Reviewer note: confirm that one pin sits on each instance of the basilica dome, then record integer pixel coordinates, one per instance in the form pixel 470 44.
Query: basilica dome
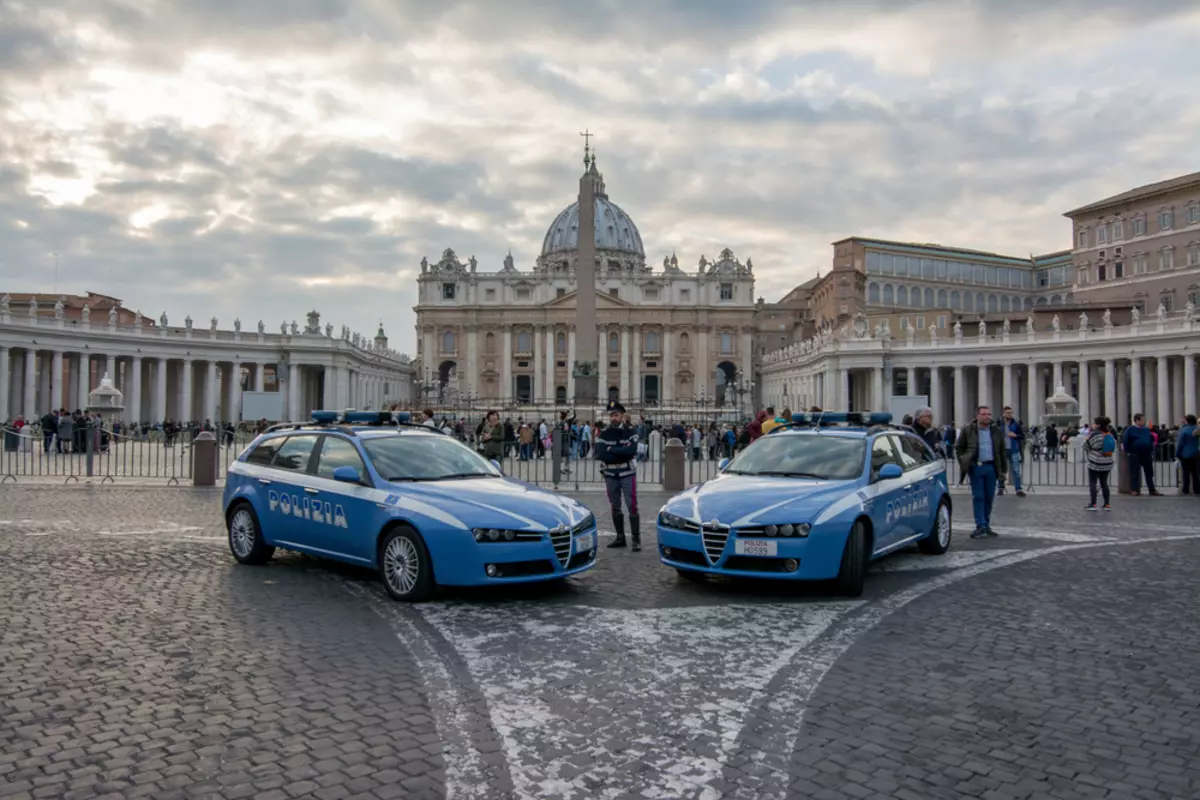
pixel 614 230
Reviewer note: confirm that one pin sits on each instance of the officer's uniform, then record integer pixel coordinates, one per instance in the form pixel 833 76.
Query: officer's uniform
pixel 616 447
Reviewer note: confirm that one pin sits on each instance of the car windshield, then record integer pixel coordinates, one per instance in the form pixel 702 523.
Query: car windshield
pixel 426 457
pixel 833 458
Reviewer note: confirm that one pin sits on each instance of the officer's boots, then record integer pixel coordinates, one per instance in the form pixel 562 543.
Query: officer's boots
pixel 619 526
pixel 634 533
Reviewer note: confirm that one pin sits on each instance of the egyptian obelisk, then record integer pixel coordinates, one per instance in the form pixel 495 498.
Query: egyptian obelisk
pixel 587 365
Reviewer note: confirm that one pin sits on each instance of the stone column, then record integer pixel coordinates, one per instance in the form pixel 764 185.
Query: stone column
pixel 626 346
pixel 1085 389
pixel 187 368
pixel 878 403
pixel 473 383
pixel 5 383
pixel 538 389
pixel 841 392
pixel 56 380
pixel 908 381
pixel 1008 399
pixel 747 352
pixel 1178 409
pixel 1058 376
pixel 704 374
pixel 506 360
pixel 293 387
pixel 260 378
pixel 1161 367
pixel 1124 395
pixel 233 412
pixel 983 389
pixel 85 380
pixel 159 413
pixel 72 386
pixel 133 403
pixel 935 395
pixel 1110 390
pixel 30 400
pixel 1136 396
pixel 1189 385
pixel 637 354
pixel 329 393
pixel 666 391
pixel 1034 398
pixel 1095 393
pixel 960 398
pixel 570 364
pixel 551 360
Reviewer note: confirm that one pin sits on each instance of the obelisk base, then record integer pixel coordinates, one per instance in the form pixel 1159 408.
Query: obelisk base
pixel 587 391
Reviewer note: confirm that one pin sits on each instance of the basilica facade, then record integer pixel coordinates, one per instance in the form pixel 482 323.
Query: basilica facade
pixel 669 337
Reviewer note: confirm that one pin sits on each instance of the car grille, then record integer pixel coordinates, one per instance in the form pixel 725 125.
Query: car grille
pixel 714 544
pixel 690 527
pixel 561 539
pixel 756 530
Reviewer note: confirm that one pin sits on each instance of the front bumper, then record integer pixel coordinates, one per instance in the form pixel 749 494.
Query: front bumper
pixel 458 560
pixel 816 557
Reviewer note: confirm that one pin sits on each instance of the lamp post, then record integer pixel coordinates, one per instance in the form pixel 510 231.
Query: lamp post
pixel 428 388
pixel 741 386
pixel 701 400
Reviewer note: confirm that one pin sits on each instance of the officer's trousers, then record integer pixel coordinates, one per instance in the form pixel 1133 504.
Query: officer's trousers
pixel 625 486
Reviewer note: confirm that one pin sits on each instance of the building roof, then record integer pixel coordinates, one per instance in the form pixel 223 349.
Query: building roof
pixel 1140 193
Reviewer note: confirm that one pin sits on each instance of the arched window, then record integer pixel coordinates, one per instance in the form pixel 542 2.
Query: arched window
pixel 650 342
pixel 685 343
pixel 448 342
pixel 943 299
pixel 902 296
pixel 614 342
pixel 968 301
pixel 889 295
pixel 873 293
pixel 560 343
pixel 1005 304
pixel 929 298
pixel 1028 303
pixel 524 342
pixel 955 300
pixel 489 343
pixel 993 303
pixel 560 394
pixel 980 302
pixel 727 343
pixel 1056 300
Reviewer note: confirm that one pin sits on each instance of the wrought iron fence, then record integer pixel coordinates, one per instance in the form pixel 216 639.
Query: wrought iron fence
pixel 144 456
pixel 687 413
pixel 1068 469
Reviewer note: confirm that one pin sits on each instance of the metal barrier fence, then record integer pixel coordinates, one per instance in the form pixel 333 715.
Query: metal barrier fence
pixel 28 454
pixel 578 471
pixel 1071 471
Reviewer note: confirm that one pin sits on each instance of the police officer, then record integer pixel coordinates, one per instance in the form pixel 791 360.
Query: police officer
pixel 616 447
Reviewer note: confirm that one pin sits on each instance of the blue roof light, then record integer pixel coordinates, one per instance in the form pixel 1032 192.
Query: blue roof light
pixel 326 417
pixel 368 417
pixel 402 417
pixel 857 418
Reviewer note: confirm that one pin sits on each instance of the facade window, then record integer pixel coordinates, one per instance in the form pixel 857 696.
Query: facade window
pixel 1194 295
pixel 1043 278
pixel 902 266
pixel 1166 259
pixel 726 291
pixel 1139 226
pixel 1101 273
pixel 652 294
pixel 560 292
pixel 1083 276
pixel 940 269
pixel 448 342
pixel 969 302
pixel 1102 234
pixel 873 294
pixel 902 296
pixel 1193 255
pixel 927 268
pixel 489 294
pixel 920 323
pixel 929 298
pixel 872 263
pixel 904 323
pixel 650 342
pixel 524 342
pixel 889 295
pixel 993 305
pixel 1194 213
pixel 614 293
pixel 523 294
pixel 1082 237
pixel 942 321
pixel 955 300
pixel 614 343
pixel 886 262
pixel 726 343
pixel 1118 230
pixel 943 299
pixel 1166 220
pixel 685 343
pixel 560 343
pixel 1141 263
pixel 1005 304
pixel 489 343
pixel 447 291
pixel 980 302
pixel 685 295
pixel 1118 270
pixel 1167 301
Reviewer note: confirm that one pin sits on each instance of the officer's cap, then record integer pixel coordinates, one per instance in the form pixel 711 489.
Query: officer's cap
pixel 615 408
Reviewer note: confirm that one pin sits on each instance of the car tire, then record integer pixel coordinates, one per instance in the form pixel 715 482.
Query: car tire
pixel 692 575
pixel 938 540
pixel 853 569
pixel 245 536
pixel 405 566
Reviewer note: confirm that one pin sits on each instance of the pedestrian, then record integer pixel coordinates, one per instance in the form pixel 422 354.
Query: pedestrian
pixel 1187 450
pixel 1015 435
pixel 982 452
pixel 1138 443
pixel 1098 448
pixel 492 436
pixel 922 425
pixel 616 448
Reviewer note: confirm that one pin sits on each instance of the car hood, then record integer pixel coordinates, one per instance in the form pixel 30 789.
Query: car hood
pixel 748 500
pixel 496 503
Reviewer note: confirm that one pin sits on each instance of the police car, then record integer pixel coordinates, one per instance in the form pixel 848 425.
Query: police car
pixel 374 489
pixel 816 499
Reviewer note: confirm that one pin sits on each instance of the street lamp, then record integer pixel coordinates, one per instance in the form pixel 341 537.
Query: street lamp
pixel 428 387
pixel 702 400
pixel 741 386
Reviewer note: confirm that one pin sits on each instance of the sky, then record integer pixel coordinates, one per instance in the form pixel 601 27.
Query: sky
pixel 258 160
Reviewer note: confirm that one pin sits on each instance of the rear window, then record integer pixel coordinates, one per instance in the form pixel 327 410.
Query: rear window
pixel 265 452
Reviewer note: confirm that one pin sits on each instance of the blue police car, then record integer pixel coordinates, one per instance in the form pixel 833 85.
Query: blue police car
pixel 373 489
pixel 816 499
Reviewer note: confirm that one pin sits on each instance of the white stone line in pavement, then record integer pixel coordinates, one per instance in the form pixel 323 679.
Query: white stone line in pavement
pixel 955 559
pixel 664 688
pixel 1073 537
pixel 790 703
pixel 150 532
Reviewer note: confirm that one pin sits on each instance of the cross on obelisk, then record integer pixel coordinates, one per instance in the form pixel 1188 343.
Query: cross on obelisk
pixel 586 368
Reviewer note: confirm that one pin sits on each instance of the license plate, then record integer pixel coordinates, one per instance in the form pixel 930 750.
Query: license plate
pixel 583 543
pixel 755 547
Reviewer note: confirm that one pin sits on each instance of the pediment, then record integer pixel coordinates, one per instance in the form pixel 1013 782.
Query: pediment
pixel 603 301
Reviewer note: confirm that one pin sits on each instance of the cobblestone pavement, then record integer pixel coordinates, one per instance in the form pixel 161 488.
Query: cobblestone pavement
pixel 137 659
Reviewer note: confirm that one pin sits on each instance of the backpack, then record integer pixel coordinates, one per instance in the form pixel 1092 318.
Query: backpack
pixel 1109 445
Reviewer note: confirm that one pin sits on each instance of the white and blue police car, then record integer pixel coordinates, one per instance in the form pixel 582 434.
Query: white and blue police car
pixel 814 499
pixel 374 489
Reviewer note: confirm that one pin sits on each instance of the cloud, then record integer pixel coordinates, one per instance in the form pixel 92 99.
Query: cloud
pixel 212 157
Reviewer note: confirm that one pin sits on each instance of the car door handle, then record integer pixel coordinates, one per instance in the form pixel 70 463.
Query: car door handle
pixel 264 481
pixel 310 490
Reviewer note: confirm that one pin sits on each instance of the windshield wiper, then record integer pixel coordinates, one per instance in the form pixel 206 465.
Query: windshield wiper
pixel 792 475
pixel 461 475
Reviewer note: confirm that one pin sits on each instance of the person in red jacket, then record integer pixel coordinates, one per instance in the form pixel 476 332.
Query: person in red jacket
pixel 754 429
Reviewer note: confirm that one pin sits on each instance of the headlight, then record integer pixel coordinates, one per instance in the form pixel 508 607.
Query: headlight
pixel 588 522
pixel 674 521
pixel 489 535
pixel 800 529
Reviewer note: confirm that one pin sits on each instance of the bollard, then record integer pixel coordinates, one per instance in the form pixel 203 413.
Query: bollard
pixel 204 460
pixel 674 477
pixel 556 449
pixel 1123 467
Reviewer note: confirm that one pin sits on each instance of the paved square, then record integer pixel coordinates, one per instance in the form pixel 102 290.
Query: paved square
pixel 138 659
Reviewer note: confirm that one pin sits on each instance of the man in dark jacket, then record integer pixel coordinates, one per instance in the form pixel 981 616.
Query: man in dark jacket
pixel 982 451
pixel 1138 445
pixel 1015 433
pixel 616 447
pixel 922 425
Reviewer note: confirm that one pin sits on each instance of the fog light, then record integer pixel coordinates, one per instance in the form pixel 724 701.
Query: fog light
pixel 494 535
pixel 509 536
pixel 771 530
pixel 791 565
pixel 667 552
pixel 592 553
pixel 492 570
pixel 786 530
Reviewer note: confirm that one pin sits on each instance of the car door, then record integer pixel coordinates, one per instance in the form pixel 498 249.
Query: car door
pixel 288 497
pixel 345 515
pixel 923 481
pixel 887 514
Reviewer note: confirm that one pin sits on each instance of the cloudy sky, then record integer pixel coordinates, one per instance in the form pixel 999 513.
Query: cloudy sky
pixel 259 158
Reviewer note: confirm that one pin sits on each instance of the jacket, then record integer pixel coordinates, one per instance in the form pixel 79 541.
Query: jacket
pixel 1137 439
pixel 967 447
pixel 1014 445
pixel 494 447
pixel 1093 447
pixel 1188 445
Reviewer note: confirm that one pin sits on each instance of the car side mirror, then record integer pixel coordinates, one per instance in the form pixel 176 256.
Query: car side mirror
pixel 889 472
pixel 722 464
pixel 346 475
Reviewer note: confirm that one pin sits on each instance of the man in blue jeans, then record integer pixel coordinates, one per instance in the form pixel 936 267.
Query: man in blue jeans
pixel 982 451
pixel 1015 434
